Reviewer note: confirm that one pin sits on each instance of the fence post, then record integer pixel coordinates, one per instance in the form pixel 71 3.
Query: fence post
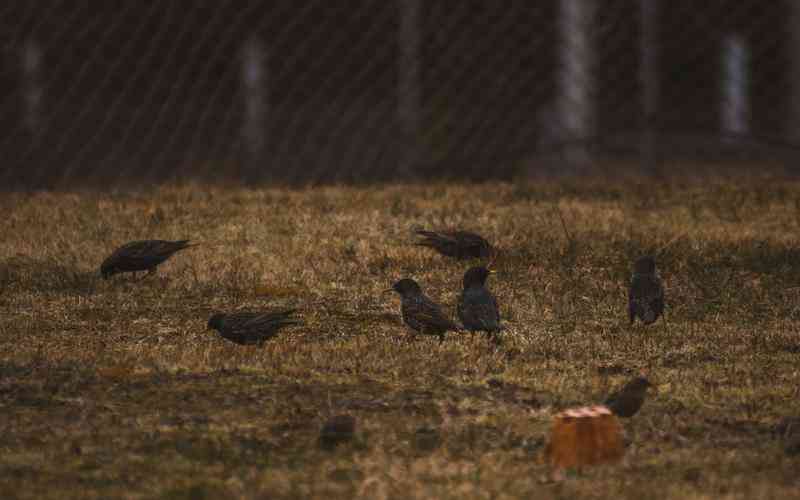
pixel 32 89
pixel 577 79
pixel 408 88
pixel 794 72
pixel 254 84
pixel 648 76
pixel 735 112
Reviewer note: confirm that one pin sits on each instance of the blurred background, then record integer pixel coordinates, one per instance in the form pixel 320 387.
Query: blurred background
pixel 314 91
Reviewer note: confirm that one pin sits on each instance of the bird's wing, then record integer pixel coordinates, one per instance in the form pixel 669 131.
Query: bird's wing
pixel 442 242
pixel 467 238
pixel 474 245
pixel 438 237
pixel 646 288
pixel 128 256
pixel 269 321
pixel 428 312
pixel 236 321
pixel 480 310
pixel 255 327
pixel 148 249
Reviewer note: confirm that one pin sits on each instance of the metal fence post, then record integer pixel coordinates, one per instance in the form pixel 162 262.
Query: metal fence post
pixel 32 90
pixel 408 87
pixel 648 76
pixel 254 84
pixel 793 132
pixel 576 79
pixel 735 105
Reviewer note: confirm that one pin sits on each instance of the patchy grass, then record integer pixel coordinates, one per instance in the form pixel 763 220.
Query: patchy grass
pixel 116 389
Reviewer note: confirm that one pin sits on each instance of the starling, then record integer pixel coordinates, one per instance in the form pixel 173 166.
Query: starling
pixel 143 255
pixel 461 245
pixel 251 328
pixel 477 307
pixel 646 294
pixel 420 313
pixel 627 401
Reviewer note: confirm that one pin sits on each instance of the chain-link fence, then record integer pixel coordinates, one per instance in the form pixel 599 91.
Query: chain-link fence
pixel 367 90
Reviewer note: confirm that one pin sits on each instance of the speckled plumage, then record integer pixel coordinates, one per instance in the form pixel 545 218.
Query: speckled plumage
pixel 144 255
pixel 646 293
pixel 460 245
pixel 251 328
pixel 420 313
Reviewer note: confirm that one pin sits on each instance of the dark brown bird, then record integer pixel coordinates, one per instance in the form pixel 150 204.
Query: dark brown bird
pixel 143 255
pixel 477 307
pixel 646 293
pixel 420 313
pixel 251 328
pixel 461 245
pixel 627 401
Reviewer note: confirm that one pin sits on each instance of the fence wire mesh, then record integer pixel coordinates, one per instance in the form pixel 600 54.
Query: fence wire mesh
pixel 367 90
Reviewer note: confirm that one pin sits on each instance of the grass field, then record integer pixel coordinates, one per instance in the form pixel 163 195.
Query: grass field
pixel 117 389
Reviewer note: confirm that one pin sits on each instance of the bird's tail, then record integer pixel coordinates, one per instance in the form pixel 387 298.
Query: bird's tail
pixel 430 238
pixel 285 318
pixel 184 244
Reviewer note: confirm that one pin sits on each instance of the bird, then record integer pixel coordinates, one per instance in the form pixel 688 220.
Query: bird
pixel 420 313
pixel 477 307
pixel 144 255
pixel 461 245
pixel 646 293
pixel 627 401
pixel 251 328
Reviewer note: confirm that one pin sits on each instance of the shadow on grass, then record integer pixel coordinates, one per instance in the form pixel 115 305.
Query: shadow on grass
pixel 46 275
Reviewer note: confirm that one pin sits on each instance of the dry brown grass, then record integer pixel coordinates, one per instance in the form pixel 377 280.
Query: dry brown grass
pixel 116 389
